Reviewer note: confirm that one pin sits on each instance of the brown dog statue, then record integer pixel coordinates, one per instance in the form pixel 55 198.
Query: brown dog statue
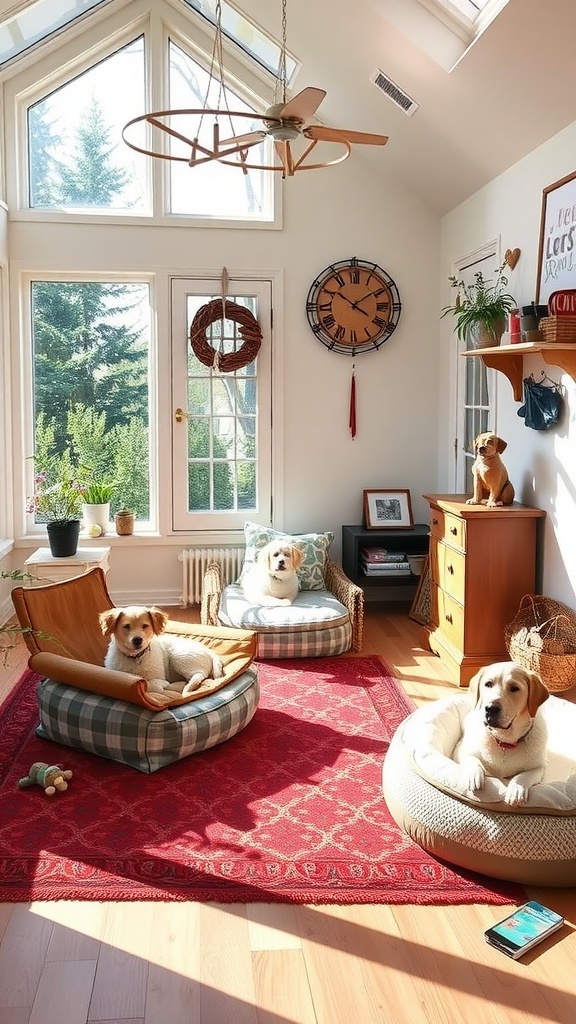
pixel 491 484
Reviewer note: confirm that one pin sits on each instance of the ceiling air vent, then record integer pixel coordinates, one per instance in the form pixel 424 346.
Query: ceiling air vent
pixel 396 94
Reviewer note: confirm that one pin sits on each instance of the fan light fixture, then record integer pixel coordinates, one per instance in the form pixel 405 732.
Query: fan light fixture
pixel 285 122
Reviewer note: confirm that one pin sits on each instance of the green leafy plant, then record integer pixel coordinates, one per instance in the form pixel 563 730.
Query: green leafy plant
pixel 9 633
pixel 57 497
pixel 481 302
pixel 98 493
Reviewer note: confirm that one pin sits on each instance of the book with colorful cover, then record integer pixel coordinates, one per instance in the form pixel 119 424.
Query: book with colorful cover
pixel 378 555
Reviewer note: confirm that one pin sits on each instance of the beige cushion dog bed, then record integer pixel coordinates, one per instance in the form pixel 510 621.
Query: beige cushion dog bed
pixel 534 844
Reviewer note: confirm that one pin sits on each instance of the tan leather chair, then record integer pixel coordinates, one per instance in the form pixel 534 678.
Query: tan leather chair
pixel 62 633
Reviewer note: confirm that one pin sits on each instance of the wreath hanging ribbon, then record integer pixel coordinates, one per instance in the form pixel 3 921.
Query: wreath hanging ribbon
pixel 250 334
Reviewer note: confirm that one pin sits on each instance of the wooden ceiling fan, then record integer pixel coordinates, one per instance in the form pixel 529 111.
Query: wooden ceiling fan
pixel 285 122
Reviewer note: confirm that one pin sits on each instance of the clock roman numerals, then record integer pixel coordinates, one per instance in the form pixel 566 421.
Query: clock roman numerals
pixel 353 306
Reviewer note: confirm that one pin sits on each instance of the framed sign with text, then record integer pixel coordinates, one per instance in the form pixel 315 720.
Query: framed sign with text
pixel 557 246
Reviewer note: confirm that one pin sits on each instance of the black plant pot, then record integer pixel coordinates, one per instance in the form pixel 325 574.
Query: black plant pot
pixel 63 537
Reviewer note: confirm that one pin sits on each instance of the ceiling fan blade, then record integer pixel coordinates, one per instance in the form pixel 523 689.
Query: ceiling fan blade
pixel 304 105
pixel 250 139
pixel 283 151
pixel 322 134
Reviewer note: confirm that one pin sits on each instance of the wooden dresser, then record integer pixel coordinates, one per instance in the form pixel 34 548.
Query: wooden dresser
pixel 482 562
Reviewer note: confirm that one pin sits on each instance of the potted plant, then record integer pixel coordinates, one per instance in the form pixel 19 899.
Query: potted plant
pixel 57 501
pixel 481 308
pixel 96 507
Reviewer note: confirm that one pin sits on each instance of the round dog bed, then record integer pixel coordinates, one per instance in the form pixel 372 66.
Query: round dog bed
pixel 143 739
pixel 533 845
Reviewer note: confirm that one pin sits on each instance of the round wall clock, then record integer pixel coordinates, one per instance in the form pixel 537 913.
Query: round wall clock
pixel 353 306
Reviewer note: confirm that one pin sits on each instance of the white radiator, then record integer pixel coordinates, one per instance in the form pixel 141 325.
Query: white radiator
pixel 194 562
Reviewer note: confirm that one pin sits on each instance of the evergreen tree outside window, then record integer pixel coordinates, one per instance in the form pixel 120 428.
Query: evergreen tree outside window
pixel 90 346
pixel 77 159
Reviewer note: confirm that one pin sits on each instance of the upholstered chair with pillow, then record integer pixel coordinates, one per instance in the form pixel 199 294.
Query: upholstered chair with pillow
pixel 326 618
pixel 84 705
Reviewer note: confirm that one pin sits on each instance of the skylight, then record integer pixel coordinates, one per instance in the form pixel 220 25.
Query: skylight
pixel 43 18
pixel 38 21
pixel 247 35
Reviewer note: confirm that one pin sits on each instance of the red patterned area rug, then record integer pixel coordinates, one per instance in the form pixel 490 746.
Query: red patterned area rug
pixel 289 810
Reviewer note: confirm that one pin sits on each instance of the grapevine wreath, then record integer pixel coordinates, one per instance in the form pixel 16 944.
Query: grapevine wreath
pixel 250 333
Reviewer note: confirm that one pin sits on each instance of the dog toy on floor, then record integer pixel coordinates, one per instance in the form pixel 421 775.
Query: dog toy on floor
pixel 51 777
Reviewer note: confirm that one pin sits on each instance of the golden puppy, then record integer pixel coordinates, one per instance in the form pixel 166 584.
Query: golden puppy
pixel 273 577
pixel 502 735
pixel 491 484
pixel 172 662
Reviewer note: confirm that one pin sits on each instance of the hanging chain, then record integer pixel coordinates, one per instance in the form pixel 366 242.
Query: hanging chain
pixel 217 60
pixel 280 83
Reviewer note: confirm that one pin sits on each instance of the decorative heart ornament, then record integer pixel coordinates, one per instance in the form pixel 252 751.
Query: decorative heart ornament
pixel 511 257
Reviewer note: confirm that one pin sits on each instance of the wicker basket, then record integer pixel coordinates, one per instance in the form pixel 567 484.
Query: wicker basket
pixel 558 328
pixel 542 637
pixel 124 523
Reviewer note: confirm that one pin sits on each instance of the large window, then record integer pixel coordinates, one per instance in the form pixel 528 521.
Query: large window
pixel 213 186
pixel 222 439
pixel 90 359
pixel 77 160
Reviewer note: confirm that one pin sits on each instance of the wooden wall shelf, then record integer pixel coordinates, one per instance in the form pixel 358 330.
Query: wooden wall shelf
pixel 509 359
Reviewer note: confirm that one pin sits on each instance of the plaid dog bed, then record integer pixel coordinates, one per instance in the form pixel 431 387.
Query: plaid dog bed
pixel 146 740
pixel 316 625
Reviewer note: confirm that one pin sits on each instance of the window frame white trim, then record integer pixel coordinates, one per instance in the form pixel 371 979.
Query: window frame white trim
pixel 483 252
pixel 275 516
pixel 70 57
pixel 23 470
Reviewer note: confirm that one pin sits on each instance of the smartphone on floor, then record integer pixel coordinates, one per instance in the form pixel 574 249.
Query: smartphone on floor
pixel 523 929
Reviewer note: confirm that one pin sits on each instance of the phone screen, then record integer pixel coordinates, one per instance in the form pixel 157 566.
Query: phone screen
pixel 524 927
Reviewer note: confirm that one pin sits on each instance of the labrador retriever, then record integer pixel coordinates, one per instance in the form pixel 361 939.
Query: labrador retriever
pixel 502 734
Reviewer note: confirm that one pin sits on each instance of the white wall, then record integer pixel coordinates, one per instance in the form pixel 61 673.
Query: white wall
pixel 328 215
pixel 541 464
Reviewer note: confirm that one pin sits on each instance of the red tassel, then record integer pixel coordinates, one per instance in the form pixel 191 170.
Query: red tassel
pixel 352 419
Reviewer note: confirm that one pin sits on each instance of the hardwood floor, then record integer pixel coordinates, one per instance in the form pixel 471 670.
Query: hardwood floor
pixel 192 963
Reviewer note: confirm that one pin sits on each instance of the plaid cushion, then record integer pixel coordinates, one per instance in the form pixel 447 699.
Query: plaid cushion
pixel 147 740
pixel 315 625
pixel 314 643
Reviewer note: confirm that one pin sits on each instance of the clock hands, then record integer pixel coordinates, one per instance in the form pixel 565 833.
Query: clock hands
pixel 353 304
pixel 356 305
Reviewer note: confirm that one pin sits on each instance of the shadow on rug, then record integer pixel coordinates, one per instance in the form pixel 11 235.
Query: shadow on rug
pixel 289 810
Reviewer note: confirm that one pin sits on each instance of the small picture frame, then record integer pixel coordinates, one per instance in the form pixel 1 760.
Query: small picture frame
pixel 388 510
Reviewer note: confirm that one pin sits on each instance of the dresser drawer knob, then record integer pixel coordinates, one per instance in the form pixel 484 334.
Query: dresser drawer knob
pixel 434 522
pixel 449 618
pixel 453 530
pixel 450 569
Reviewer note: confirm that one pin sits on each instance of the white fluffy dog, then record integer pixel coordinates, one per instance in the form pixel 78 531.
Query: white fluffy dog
pixel 273 578
pixel 170 662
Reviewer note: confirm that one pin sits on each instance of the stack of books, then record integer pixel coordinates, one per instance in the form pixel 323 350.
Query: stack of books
pixel 381 562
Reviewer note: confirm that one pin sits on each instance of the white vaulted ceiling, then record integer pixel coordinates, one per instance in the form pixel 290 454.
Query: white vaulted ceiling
pixel 481 107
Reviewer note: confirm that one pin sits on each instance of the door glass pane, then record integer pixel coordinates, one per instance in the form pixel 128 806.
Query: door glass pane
pixel 222 421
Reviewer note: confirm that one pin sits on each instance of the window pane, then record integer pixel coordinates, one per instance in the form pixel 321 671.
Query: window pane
pixel 77 157
pixel 91 366
pixel 213 189
pixel 222 424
